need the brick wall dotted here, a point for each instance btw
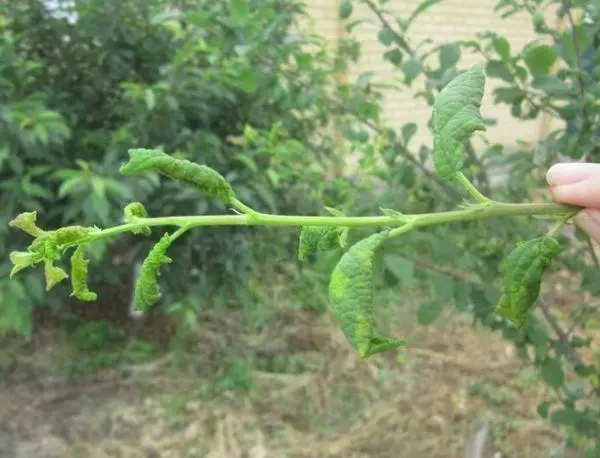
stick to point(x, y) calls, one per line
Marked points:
point(449, 20)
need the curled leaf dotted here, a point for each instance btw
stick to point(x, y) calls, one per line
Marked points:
point(27, 223)
point(136, 210)
point(147, 292)
point(456, 117)
point(79, 276)
point(21, 260)
point(70, 234)
point(523, 269)
point(317, 238)
point(351, 296)
point(199, 176)
point(53, 274)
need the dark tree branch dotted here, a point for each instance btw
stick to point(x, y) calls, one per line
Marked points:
point(560, 332)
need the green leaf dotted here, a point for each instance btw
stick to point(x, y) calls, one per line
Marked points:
point(402, 268)
point(565, 417)
point(69, 234)
point(386, 36)
point(345, 9)
point(542, 409)
point(444, 287)
point(147, 292)
point(240, 11)
point(27, 223)
point(150, 99)
point(420, 9)
point(411, 68)
point(498, 69)
point(408, 131)
point(201, 177)
point(462, 296)
point(394, 56)
point(53, 274)
point(540, 59)
point(21, 260)
point(552, 85)
point(351, 297)
point(247, 80)
point(429, 312)
point(449, 55)
point(509, 95)
point(79, 276)
point(456, 117)
point(502, 47)
point(135, 210)
point(552, 372)
point(523, 269)
point(317, 238)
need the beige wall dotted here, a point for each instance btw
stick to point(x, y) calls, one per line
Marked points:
point(447, 21)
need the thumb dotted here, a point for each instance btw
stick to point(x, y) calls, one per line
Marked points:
point(575, 184)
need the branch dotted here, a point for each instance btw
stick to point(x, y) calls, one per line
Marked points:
point(560, 332)
point(399, 38)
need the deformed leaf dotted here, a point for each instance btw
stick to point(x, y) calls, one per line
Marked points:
point(147, 292)
point(53, 274)
point(317, 238)
point(70, 234)
point(456, 117)
point(523, 269)
point(21, 260)
point(79, 276)
point(26, 222)
point(136, 210)
point(199, 176)
point(351, 296)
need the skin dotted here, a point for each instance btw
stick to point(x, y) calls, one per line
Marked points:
point(578, 184)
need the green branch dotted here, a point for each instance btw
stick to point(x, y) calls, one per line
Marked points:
point(254, 218)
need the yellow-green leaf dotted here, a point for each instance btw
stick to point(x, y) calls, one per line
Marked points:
point(456, 117)
point(53, 274)
point(21, 260)
point(317, 238)
point(147, 291)
point(136, 210)
point(523, 269)
point(27, 223)
point(351, 297)
point(198, 176)
point(79, 276)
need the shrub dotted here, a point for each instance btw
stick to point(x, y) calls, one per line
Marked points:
point(224, 83)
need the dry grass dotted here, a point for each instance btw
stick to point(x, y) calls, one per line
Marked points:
point(452, 379)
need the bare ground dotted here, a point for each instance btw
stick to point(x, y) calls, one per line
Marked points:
point(423, 401)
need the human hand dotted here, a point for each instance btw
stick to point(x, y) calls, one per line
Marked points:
point(578, 184)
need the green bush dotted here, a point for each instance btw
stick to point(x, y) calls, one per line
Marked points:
point(229, 84)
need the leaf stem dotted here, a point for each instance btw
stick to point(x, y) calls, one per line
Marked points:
point(560, 224)
point(243, 208)
point(471, 189)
